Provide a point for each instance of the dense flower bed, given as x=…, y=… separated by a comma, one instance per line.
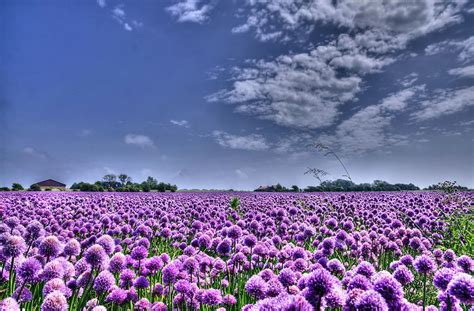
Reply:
x=177, y=251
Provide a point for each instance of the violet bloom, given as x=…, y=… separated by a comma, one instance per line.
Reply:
x=9, y=304
x=141, y=282
x=359, y=281
x=212, y=297
x=442, y=278
x=24, y=296
x=390, y=289
x=370, y=300
x=365, y=268
x=256, y=287
x=107, y=242
x=54, y=301
x=13, y=246
x=403, y=275
x=117, y=263
x=170, y=272
x=72, y=248
x=139, y=253
x=95, y=256
x=29, y=269
x=424, y=264
x=117, y=296
x=465, y=263
x=284, y=302
x=56, y=284
x=318, y=284
x=50, y=247
x=287, y=277
x=104, y=282
x=462, y=287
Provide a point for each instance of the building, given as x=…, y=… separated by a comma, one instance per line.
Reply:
x=51, y=184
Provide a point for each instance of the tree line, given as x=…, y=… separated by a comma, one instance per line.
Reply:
x=343, y=185
x=123, y=183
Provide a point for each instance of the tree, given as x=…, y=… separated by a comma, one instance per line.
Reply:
x=124, y=179
x=295, y=188
x=17, y=187
x=110, y=181
x=35, y=187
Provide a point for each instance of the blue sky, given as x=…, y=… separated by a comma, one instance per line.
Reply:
x=228, y=94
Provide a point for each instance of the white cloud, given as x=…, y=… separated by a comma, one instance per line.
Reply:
x=142, y=141
x=367, y=129
x=85, y=133
x=196, y=11
x=249, y=142
x=412, y=18
x=183, y=123
x=463, y=72
x=118, y=13
x=464, y=48
x=31, y=151
x=241, y=174
x=101, y=3
x=302, y=90
x=445, y=102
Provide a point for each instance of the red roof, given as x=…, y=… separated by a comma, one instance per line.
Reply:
x=50, y=183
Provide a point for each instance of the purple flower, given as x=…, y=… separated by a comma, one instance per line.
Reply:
x=117, y=296
x=365, y=268
x=29, y=269
x=370, y=300
x=462, y=287
x=104, y=282
x=284, y=302
x=141, y=282
x=56, y=284
x=170, y=272
x=359, y=281
x=50, y=247
x=234, y=232
x=250, y=240
x=117, y=263
x=95, y=256
x=107, y=242
x=13, y=246
x=465, y=263
x=223, y=248
x=24, y=296
x=126, y=278
x=72, y=248
x=256, y=287
x=54, y=301
x=9, y=304
x=139, y=253
x=442, y=278
x=274, y=288
x=390, y=289
x=212, y=297
x=182, y=286
x=318, y=284
x=403, y=275
x=424, y=264
x=287, y=277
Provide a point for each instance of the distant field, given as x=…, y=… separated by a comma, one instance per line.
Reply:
x=256, y=251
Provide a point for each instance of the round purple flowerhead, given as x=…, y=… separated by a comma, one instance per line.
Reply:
x=359, y=281
x=319, y=283
x=462, y=287
x=274, y=288
x=95, y=256
x=223, y=248
x=29, y=269
x=72, y=248
x=56, y=284
x=465, y=263
x=139, y=253
x=256, y=287
x=365, y=268
x=424, y=264
x=370, y=300
x=141, y=282
x=390, y=289
x=54, y=301
x=403, y=275
x=9, y=304
x=250, y=240
x=442, y=278
x=170, y=272
x=117, y=263
x=287, y=277
x=117, y=296
x=13, y=246
x=24, y=296
x=104, y=282
x=212, y=297
x=234, y=232
x=50, y=247
x=284, y=302
x=182, y=286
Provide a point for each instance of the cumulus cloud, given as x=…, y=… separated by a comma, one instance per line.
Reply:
x=445, y=102
x=195, y=11
x=33, y=152
x=366, y=130
x=253, y=142
x=241, y=174
x=464, y=48
x=463, y=72
x=183, y=123
x=302, y=90
x=142, y=141
x=101, y=3
x=118, y=13
x=395, y=17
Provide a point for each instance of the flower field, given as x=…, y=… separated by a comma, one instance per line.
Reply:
x=233, y=251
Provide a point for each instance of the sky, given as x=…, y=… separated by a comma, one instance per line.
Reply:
x=232, y=94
